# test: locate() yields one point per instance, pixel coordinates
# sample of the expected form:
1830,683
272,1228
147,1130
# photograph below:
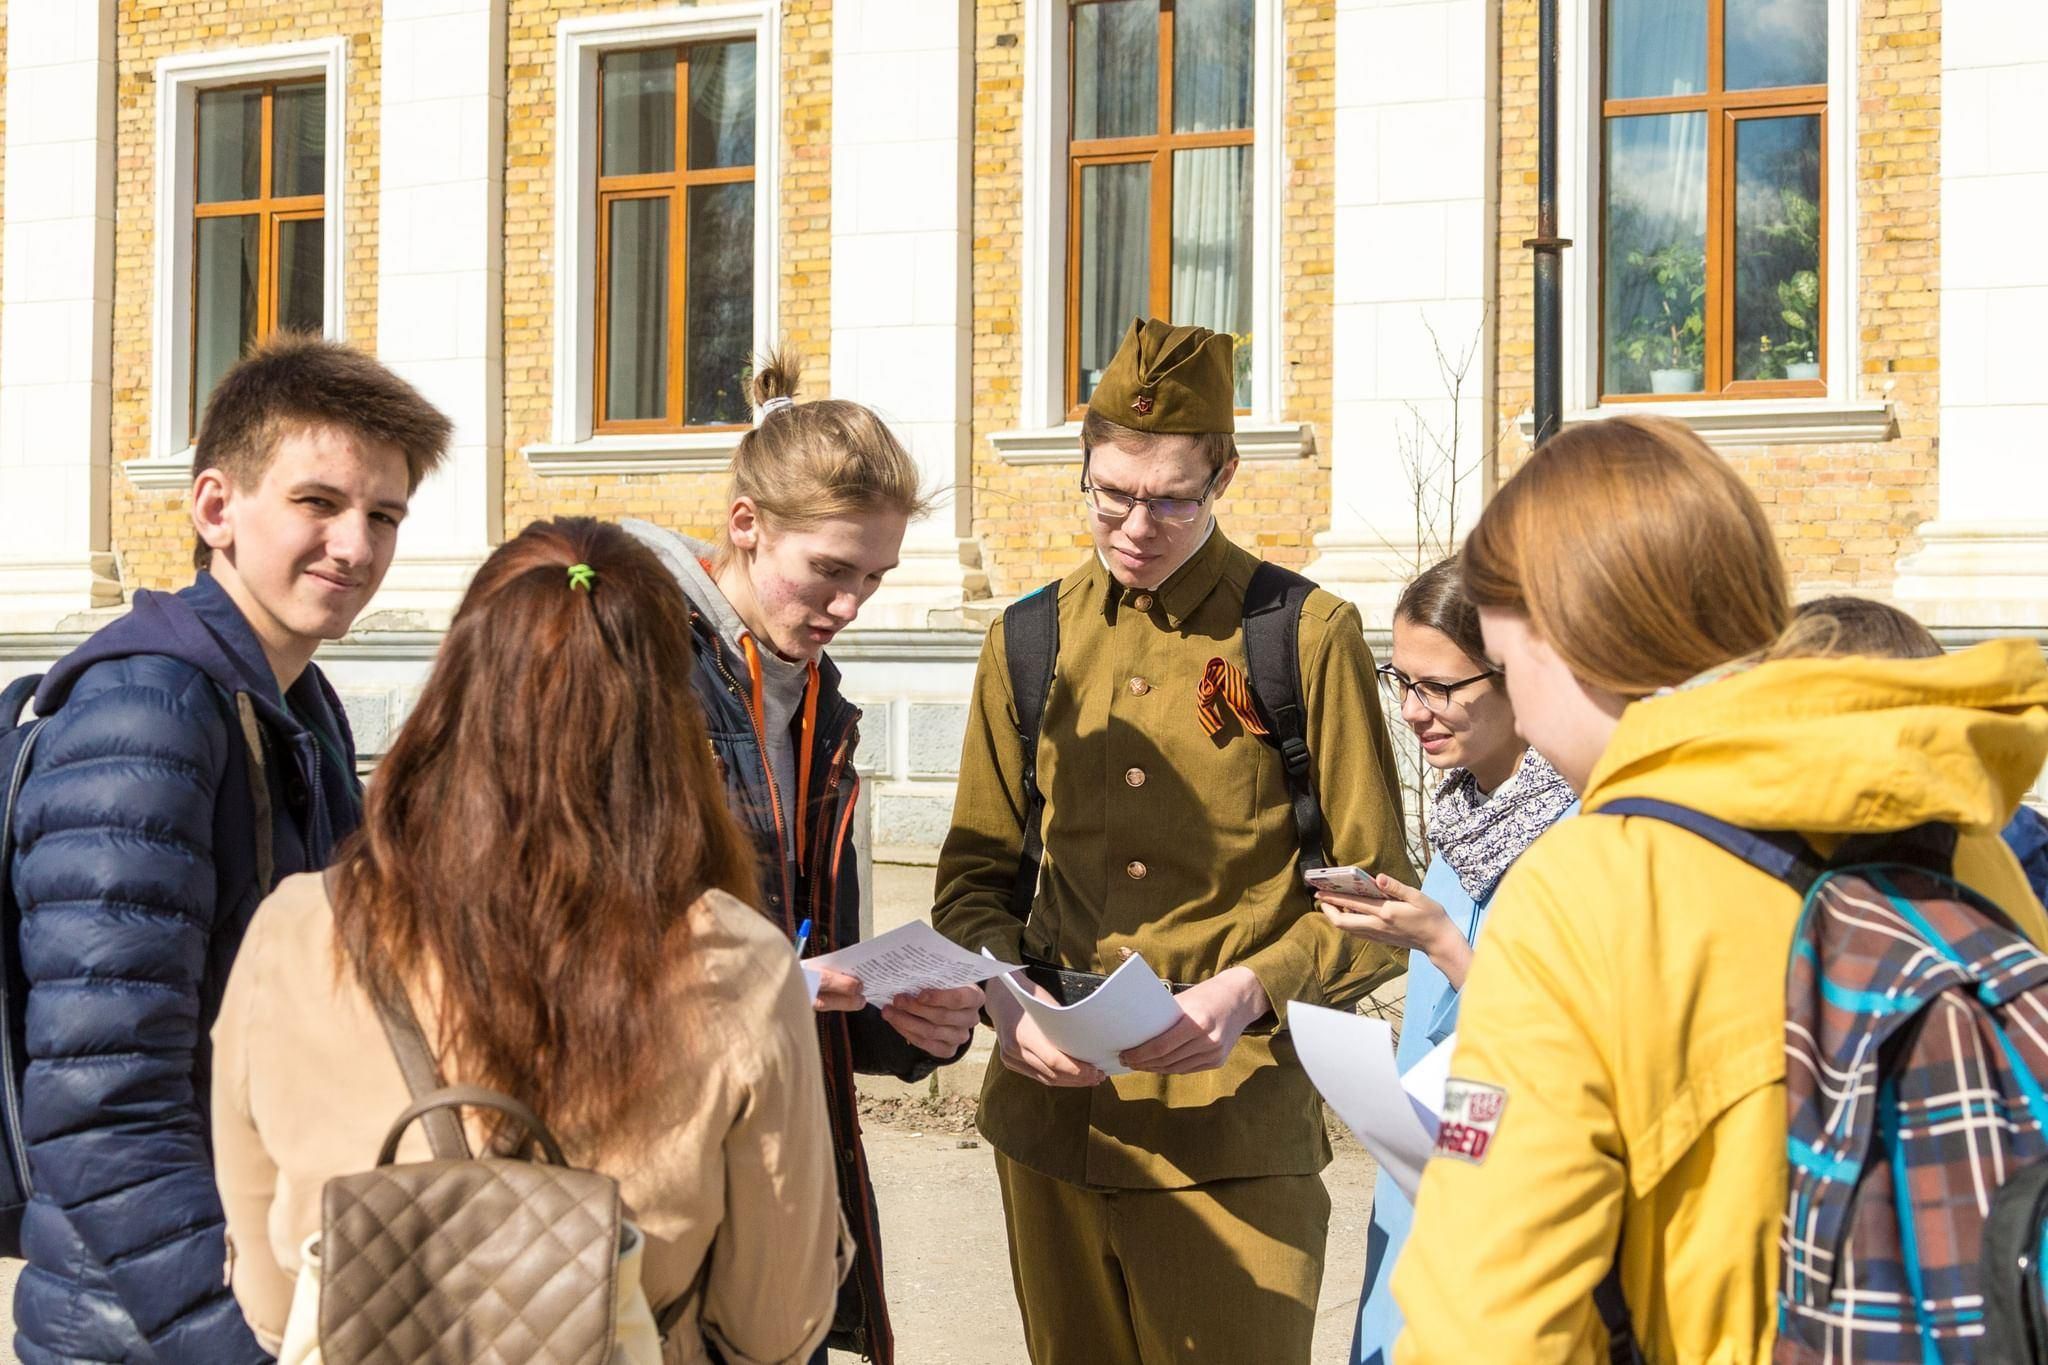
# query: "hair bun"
775,380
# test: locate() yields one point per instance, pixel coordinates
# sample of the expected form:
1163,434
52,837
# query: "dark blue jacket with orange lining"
825,890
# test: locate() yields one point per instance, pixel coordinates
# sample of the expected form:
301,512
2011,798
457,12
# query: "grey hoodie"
782,682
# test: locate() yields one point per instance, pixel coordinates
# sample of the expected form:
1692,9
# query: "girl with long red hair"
547,872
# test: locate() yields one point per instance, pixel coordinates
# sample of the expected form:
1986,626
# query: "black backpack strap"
1272,651
1622,1346
1784,855
1031,643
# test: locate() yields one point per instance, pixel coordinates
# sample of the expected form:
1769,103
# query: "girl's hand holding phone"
1402,916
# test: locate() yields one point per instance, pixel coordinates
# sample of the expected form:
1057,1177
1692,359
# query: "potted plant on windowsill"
1799,309
1671,343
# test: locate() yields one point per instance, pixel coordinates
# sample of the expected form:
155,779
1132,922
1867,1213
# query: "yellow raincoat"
1629,1001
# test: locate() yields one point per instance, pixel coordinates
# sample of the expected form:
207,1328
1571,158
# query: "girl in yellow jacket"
1620,1065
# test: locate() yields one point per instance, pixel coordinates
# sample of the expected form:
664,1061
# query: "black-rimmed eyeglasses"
1436,697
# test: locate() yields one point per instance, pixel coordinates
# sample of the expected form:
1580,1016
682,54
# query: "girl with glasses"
1496,795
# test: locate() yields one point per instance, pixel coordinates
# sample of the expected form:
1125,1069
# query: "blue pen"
803,936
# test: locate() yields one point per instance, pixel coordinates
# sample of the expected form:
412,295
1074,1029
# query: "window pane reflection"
1116,203
1212,65
722,105
1656,245
225,267
636,311
229,135
720,297
639,112
1776,42
1116,69
1655,48
1777,248
298,139
301,249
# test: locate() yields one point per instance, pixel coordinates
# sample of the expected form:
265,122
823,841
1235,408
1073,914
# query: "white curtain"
1212,231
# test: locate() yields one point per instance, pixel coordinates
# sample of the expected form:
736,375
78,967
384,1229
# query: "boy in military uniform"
1175,1213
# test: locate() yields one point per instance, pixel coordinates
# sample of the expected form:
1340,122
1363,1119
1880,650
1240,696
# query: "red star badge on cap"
1142,405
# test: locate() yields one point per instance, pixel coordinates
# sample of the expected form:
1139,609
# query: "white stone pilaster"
902,306
440,275
56,333
1411,247
1984,562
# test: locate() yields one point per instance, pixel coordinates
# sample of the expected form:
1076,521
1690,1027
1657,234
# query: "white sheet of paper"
812,981
1351,1060
909,958
1133,1006
1424,1083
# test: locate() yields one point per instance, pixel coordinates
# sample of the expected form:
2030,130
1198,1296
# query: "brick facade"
152,533
690,502
1844,513
1027,516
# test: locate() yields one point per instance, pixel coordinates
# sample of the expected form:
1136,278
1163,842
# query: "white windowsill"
1753,422
1062,444
679,452
160,473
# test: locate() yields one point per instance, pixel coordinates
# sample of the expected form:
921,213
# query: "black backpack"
1272,621
17,747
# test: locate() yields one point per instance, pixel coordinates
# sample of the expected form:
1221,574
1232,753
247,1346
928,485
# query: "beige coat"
726,1166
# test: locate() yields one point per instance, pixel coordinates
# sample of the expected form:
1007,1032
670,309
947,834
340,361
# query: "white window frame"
573,447
1844,413
179,80
1044,434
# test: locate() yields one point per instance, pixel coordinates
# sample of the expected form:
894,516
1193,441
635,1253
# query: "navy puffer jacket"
137,871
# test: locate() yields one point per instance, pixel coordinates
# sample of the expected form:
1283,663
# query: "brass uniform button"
1135,869
1143,601
1139,687
1134,777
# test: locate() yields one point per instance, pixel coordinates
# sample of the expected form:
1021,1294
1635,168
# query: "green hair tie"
581,576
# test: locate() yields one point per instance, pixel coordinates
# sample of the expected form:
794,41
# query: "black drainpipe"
1546,244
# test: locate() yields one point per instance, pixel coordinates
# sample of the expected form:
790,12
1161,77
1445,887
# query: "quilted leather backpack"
1916,1045
466,1258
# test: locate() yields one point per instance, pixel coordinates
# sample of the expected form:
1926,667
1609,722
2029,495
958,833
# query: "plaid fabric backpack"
1916,1042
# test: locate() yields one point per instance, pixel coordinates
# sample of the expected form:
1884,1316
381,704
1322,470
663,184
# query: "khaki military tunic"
1163,840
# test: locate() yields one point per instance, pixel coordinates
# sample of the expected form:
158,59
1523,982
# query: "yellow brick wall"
692,502
1844,512
1028,517
152,534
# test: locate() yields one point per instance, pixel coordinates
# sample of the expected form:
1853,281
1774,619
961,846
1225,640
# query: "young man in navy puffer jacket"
195,759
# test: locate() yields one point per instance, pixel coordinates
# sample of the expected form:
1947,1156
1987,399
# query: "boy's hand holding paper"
910,958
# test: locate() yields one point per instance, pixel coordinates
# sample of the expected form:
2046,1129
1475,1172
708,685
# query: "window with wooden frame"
259,221
675,237
1159,176
1714,240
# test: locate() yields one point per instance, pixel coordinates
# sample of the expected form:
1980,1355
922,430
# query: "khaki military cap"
1175,380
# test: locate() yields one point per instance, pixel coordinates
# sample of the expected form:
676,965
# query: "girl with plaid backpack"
1623,1097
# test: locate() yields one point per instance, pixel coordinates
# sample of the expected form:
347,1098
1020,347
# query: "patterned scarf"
1481,833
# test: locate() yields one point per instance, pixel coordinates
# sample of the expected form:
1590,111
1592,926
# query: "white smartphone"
1343,881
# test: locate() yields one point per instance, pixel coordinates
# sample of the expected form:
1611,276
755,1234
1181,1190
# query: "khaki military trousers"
1222,1274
